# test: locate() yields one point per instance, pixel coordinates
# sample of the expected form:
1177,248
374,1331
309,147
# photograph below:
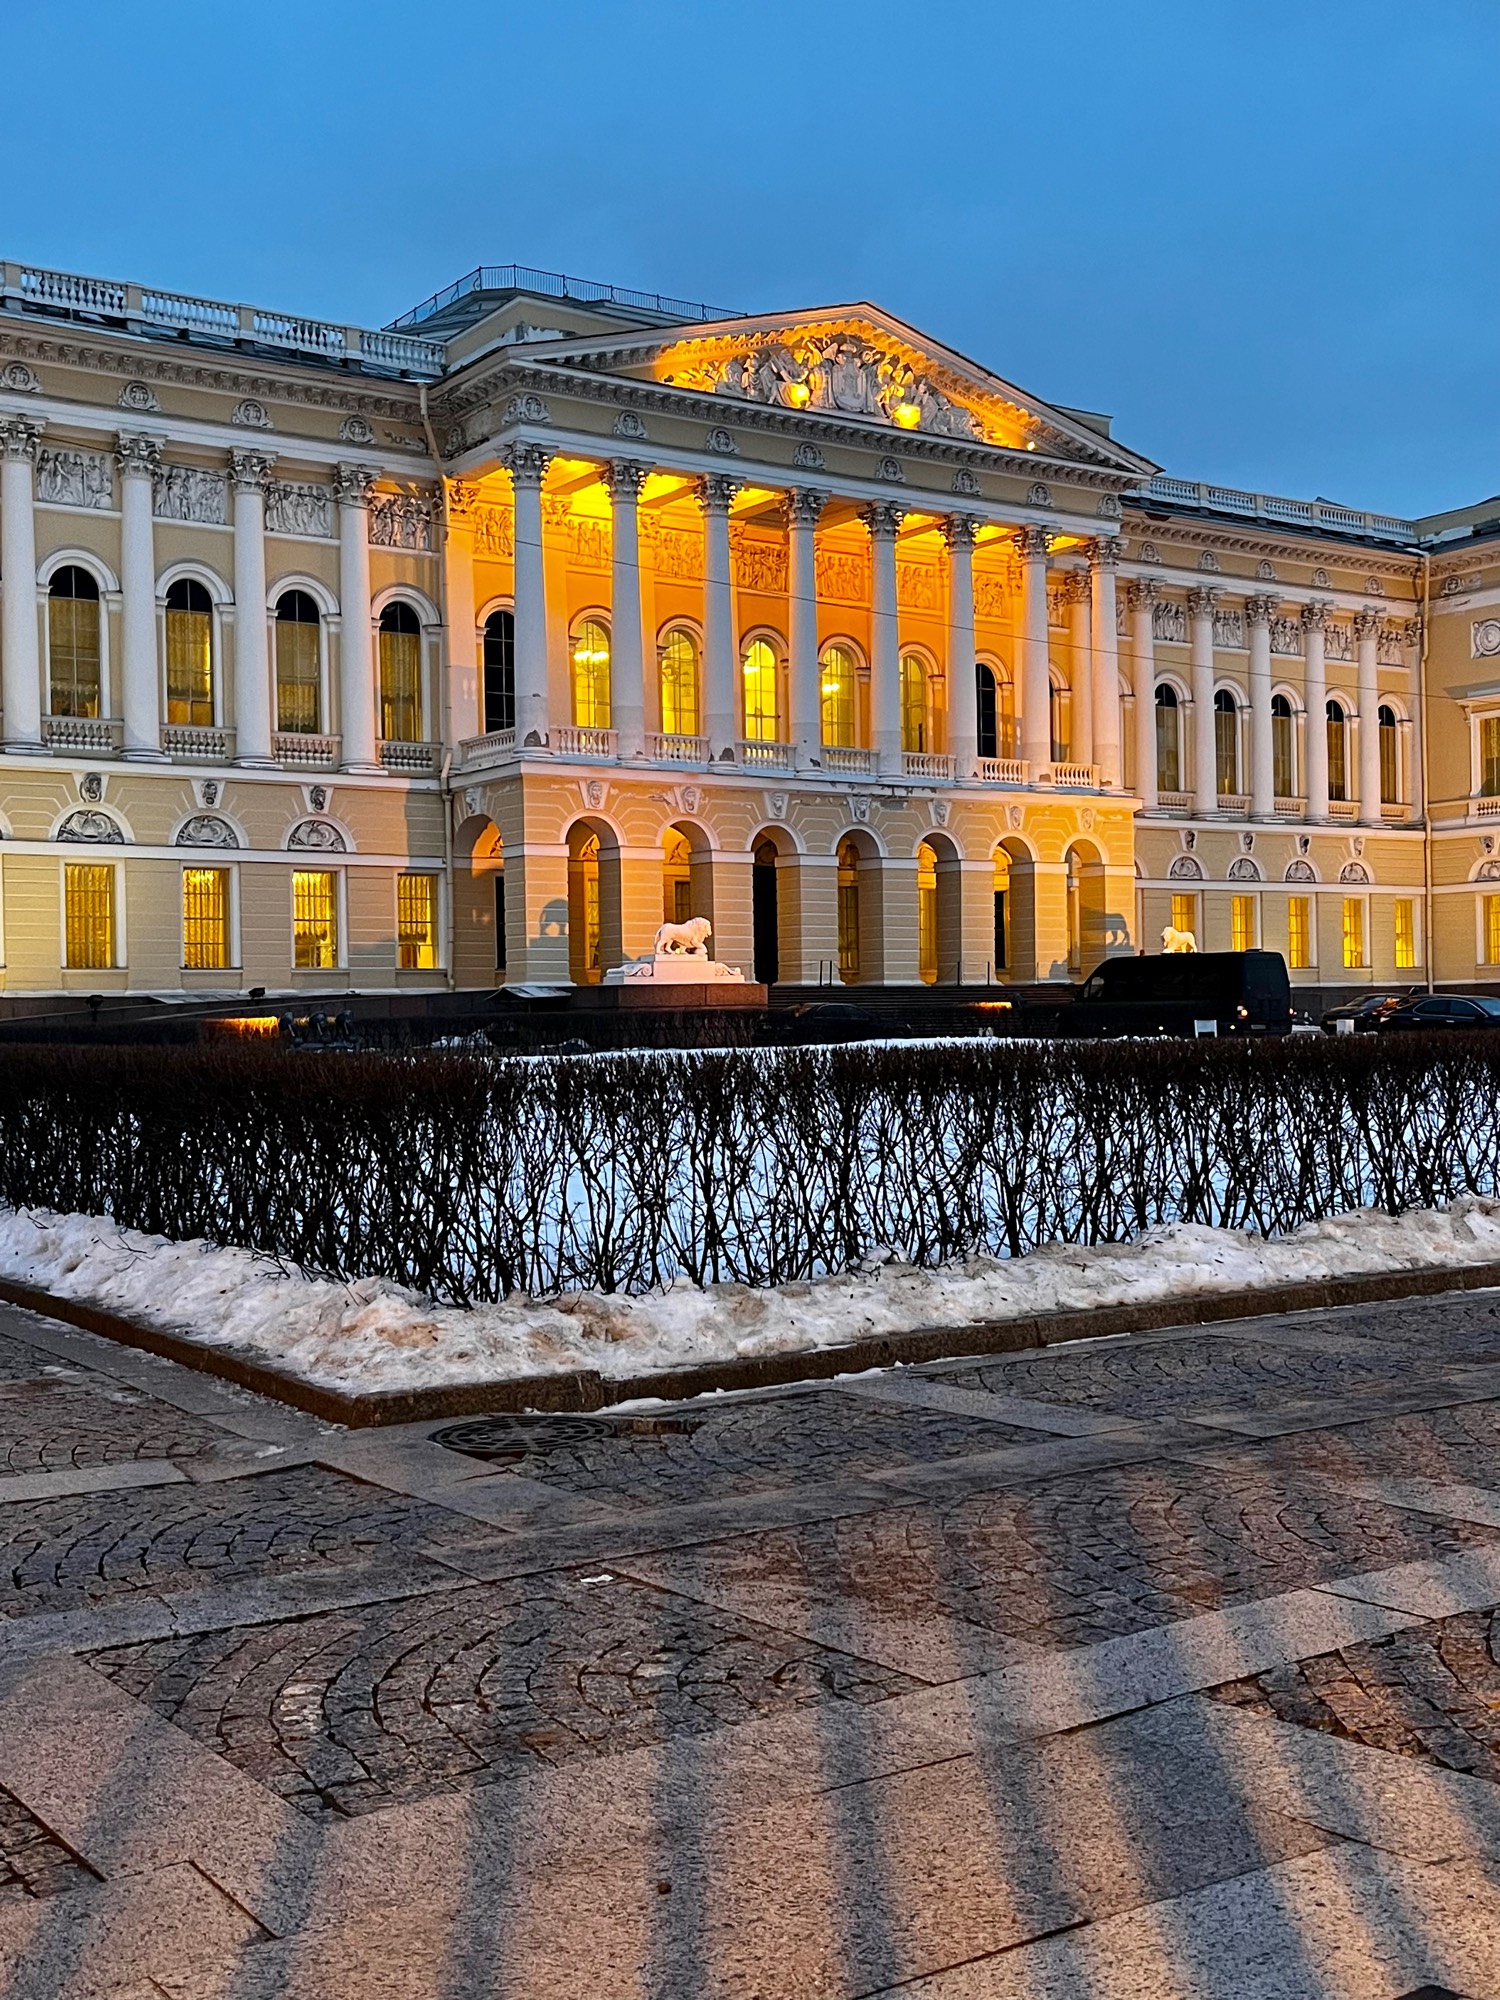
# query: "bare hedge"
469,1178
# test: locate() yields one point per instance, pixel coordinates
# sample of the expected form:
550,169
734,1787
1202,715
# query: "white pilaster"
528,468
1201,625
963,696
1077,592
624,478
1104,554
1141,593
1367,660
804,508
140,676
1315,677
248,472
1262,761
358,693
462,697
21,688
716,493
883,520
1035,686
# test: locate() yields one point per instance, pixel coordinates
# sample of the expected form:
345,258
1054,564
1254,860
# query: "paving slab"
1430,1589
1025,1412
91,1479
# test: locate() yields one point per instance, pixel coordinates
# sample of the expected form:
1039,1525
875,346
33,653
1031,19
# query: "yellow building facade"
464,652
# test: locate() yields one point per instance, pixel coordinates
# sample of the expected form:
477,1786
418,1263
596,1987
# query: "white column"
358,693
21,688
1262,761
1141,592
248,472
716,493
804,508
462,716
528,468
1201,623
1315,678
1367,659
963,693
883,520
140,675
1104,554
624,478
1035,686
1077,593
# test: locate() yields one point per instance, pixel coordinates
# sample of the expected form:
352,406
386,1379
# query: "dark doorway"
764,915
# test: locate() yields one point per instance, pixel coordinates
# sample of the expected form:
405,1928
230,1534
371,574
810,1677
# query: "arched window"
1338,751
1390,782
837,695
190,654
848,888
761,679
400,673
1168,738
927,913
916,705
499,671
73,643
299,690
591,674
679,683
1060,704
987,697
1226,744
1283,748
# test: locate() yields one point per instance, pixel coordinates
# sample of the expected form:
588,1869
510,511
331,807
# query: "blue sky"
1263,234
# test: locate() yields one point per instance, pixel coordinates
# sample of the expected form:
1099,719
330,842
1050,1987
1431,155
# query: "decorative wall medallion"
1013,814
776,805
1150,552
720,440
1247,843
595,793
1301,871
1208,560
1039,495
97,828
252,415
1375,586
1457,586
1086,819
19,379
1185,868
808,457
317,798
1108,508
526,410
354,430
1304,842
1487,842
690,798
859,805
966,482
1266,572
940,814
138,396
890,468
1190,838
629,425
209,791
1320,580
320,835
206,830
1486,638
1356,844
188,493
91,787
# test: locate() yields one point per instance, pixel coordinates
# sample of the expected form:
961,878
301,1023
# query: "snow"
373,1335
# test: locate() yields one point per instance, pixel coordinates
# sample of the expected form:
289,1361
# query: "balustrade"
761,756
424,758
677,749
313,753
1076,777
842,761
571,741
926,764
199,745
1002,770
83,732
497,746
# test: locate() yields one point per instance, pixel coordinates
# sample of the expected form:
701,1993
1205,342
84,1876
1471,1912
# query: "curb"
583,1389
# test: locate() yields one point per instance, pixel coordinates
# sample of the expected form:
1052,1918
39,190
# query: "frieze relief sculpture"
97,828
74,479
494,532
294,507
1286,635
206,830
188,493
844,376
321,835
403,521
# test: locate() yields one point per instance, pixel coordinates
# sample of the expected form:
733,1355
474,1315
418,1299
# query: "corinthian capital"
1259,610
140,456
19,437
1104,551
1201,602
716,491
959,531
624,478
528,464
1367,623
1031,544
883,518
804,507
1315,616
250,470
1075,586
1141,590
353,485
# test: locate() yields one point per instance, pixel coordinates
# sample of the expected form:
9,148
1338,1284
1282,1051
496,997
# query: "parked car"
1178,993
1441,1011
1363,1012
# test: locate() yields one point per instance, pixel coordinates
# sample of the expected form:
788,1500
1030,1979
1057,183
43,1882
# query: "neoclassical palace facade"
463,652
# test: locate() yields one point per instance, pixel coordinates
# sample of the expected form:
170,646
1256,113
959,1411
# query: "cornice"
1352,553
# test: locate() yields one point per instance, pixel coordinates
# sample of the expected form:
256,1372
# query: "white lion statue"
689,940
1175,940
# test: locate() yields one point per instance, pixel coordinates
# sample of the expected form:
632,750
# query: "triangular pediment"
853,363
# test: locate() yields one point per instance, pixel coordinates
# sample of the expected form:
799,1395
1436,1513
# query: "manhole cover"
509,1438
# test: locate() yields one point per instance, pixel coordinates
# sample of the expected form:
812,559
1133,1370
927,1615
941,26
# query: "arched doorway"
1086,926
479,946
765,912
1015,911
851,939
939,912
594,940
687,888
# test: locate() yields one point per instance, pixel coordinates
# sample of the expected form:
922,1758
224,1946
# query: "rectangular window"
89,904
1406,933
1185,914
76,671
1489,757
205,919
848,929
1354,930
401,687
1299,931
190,668
1492,930
1283,753
298,677
1242,923
1338,743
315,920
1227,749
416,922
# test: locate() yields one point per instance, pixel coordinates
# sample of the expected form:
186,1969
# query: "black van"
1240,992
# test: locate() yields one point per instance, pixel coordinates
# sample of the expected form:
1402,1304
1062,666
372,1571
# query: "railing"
1174,802
1484,809
1274,507
557,285
1343,809
206,746
1232,802
1394,813
1076,777
843,761
1001,770
1289,808
572,741
926,764
83,732
306,752
400,350
497,746
767,756
668,749
421,757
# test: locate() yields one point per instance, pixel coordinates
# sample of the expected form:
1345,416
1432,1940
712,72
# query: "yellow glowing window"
1338,752
400,674
1489,756
190,655
89,907
1185,914
299,701
676,877
1354,930
916,728
1283,748
1168,739
1242,923
1406,932
679,683
1226,743
762,683
1299,931
73,643
927,913
416,922
591,675
837,696
315,920
1390,780
1492,930
205,919
848,912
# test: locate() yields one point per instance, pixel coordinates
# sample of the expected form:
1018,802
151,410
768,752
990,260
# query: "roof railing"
558,285
1273,507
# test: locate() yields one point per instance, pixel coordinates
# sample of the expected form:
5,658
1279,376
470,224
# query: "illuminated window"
761,679
416,922
190,654
73,643
585,909
1283,748
1406,932
837,696
591,675
1075,916
916,719
1002,909
1226,744
1242,923
676,877
299,694
1354,930
205,919
1185,914
927,913
1492,930
1338,752
89,909
996,711
848,886
1390,785
679,683
499,671
400,674
1489,756
1168,739
315,920
1299,931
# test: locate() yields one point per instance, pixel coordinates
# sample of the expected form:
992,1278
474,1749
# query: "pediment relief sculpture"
846,376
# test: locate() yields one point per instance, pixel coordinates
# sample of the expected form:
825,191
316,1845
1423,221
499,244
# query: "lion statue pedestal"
679,958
